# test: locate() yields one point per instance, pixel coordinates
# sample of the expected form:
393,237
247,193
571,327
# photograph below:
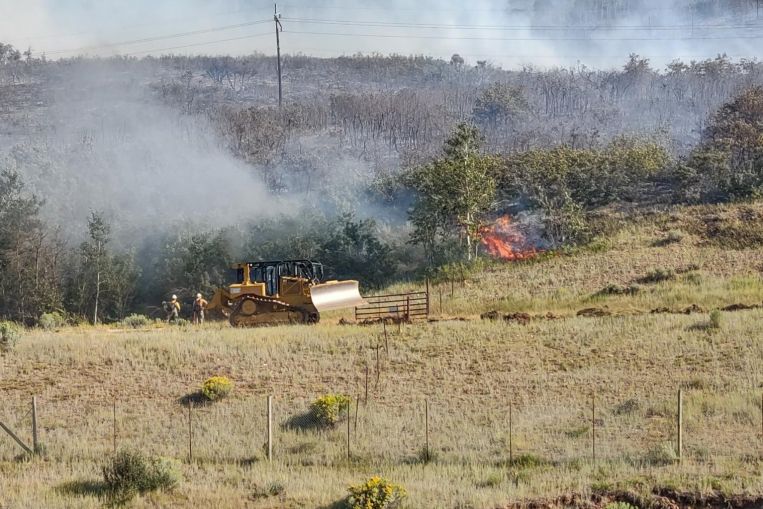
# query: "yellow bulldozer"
289,291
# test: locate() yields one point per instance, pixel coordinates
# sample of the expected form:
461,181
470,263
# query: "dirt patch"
740,307
694,308
523,318
490,315
376,321
593,312
519,317
658,499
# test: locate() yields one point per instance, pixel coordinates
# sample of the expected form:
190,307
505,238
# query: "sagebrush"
130,472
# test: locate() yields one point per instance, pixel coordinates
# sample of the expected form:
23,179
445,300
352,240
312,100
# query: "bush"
715,319
627,407
328,409
216,388
49,321
130,472
672,237
9,335
619,505
136,321
272,489
662,455
614,289
658,275
376,493
528,461
693,278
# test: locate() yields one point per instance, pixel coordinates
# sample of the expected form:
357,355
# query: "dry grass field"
469,371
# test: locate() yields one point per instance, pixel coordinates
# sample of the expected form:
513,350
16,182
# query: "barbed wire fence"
699,425
378,423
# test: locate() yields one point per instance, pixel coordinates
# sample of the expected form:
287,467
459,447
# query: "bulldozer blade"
336,295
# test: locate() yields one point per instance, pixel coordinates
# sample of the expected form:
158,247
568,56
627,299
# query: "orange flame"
505,240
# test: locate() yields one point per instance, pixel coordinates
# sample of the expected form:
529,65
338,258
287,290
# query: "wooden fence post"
366,398
348,428
35,444
14,437
190,434
511,440
452,284
426,431
270,428
357,404
593,428
378,368
386,343
439,289
114,425
680,423
427,296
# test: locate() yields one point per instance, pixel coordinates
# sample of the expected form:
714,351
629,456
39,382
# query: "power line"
435,26
522,27
156,50
128,28
157,38
591,39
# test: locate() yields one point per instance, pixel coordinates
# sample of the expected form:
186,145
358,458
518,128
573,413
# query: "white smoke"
105,144
512,33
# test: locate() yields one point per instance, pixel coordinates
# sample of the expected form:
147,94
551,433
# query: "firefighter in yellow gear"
172,308
199,306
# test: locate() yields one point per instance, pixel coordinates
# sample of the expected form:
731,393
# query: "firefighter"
172,308
199,305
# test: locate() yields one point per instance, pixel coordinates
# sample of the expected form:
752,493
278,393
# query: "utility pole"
279,28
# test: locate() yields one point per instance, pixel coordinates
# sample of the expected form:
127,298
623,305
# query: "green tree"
454,192
353,250
30,275
94,255
195,262
564,183
103,285
728,164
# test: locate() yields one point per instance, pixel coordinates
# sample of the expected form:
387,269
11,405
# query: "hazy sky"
506,32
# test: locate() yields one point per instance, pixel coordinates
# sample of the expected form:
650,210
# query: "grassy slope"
468,370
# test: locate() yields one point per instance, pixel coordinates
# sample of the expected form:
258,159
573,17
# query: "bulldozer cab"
271,273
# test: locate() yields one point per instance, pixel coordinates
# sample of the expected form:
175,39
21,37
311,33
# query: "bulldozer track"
287,308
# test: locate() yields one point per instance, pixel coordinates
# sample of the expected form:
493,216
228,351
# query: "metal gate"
398,307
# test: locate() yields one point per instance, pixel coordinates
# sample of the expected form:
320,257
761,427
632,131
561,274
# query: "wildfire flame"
505,240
